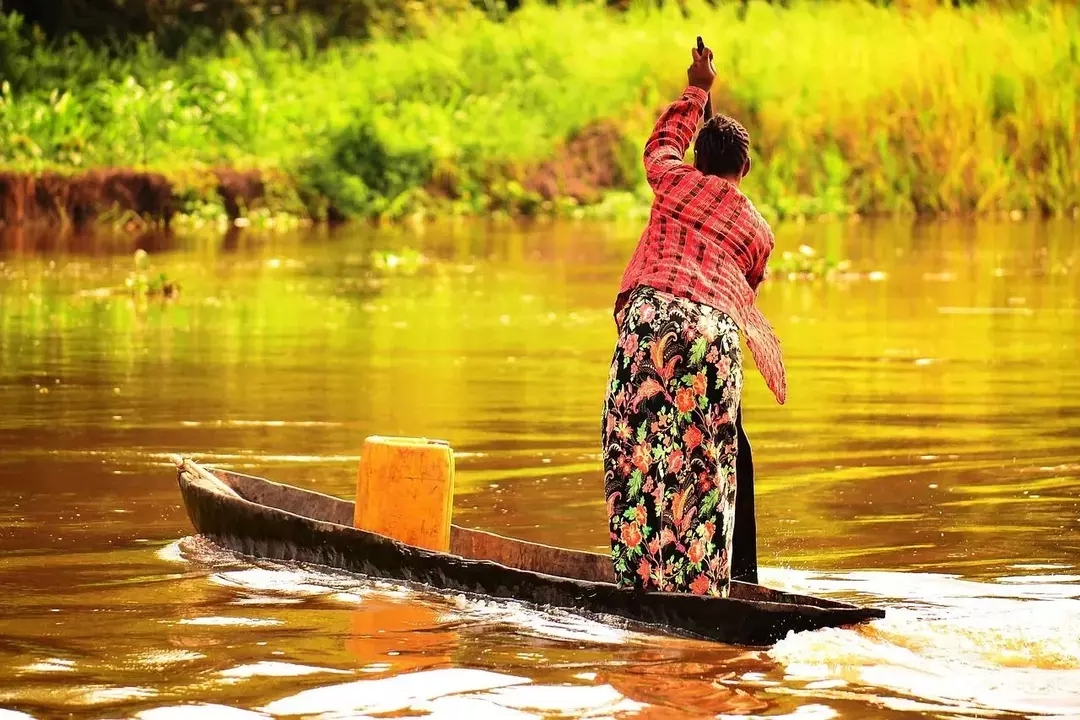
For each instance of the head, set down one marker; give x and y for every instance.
(723, 149)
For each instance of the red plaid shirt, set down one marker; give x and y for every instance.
(705, 240)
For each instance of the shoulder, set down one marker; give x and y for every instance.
(757, 221)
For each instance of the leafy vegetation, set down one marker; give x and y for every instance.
(852, 107)
(176, 24)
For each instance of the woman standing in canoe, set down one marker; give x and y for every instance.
(676, 378)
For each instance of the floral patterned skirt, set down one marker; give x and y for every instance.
(670, 444)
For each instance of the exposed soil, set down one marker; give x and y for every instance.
(54, 198)
(593, 160)
(239, 190)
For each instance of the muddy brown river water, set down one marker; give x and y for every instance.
(928, 461)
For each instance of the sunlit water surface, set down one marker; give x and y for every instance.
(926, 462)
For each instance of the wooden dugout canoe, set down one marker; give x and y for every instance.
(257, 517)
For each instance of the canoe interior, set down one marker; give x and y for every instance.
(476, 544)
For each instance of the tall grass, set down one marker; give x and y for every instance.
(852, 107)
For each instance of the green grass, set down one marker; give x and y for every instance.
(852, 108)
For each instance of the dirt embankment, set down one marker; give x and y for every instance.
(596, 159)
(78, 200)
(592, 161)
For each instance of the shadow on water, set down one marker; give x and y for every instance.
(926, 461)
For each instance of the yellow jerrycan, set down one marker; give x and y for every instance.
(405, 490)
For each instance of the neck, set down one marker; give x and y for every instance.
(733, 179)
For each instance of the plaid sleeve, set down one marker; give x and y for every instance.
(670, 139)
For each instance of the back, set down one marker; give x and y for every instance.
(705, 241)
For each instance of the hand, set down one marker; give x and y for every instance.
(701, 72)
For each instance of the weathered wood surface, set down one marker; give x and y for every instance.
(534, 557)
(265, 519)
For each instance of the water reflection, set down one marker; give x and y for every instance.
(407, 632)
(926, 461)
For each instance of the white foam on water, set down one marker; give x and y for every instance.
(14, 715)
(570, 700)
(550, 623)
(804, 712)
(50, 665)
(946, 644)
(172, 552)
(392, 694)
(200, 711)
(286, 581)
(1038, 579)
(269, 668)
(455, 707)
(348, 598)
(266, 600)
(227, 621)
(107, 694)
(379, 667)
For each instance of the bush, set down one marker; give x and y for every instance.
(362, 175)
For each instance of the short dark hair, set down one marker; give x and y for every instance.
(722, 147)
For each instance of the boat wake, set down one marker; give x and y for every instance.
(949, 644)
(258, 581)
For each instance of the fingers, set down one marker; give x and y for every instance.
(702, 57)
(706, 57)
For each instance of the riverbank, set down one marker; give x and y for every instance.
(853, 109)
(135, 199)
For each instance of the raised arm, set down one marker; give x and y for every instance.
(671, 136)
(670, 139)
